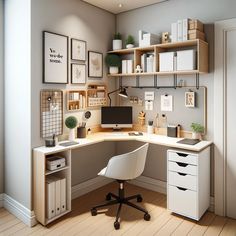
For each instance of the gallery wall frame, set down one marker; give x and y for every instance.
(95, 64)
(78, 49)
(78, 73)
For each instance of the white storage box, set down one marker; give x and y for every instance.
(186, 60)
(55, 162)
(147, 39)
(166, 61)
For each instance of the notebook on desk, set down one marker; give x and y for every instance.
(189, 141)
(67, 144)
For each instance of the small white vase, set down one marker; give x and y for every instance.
(72, 135)
(117, 44)
(196, 136)
(150, 129)
(114, 70)
(129, 46)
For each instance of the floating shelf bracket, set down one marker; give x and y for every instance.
(120, 81)
(175, 80)
(197, 81)
(137, 80)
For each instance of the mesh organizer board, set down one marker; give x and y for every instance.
(51, 112)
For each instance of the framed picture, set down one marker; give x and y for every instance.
(95, 64)
(78, 50)
(78, 73)
(190, 99)
(55, 58)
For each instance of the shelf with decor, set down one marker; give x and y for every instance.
(96, 95)
(199, 46)
(76, 100)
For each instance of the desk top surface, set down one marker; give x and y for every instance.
(124, 136)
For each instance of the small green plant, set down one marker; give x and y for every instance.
(71, 122)
(117, 36)
(129, 40)
(197, 128)
(113, 60)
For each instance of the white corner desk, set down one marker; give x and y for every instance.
(193, 152)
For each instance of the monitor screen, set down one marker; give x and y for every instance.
(116, 117)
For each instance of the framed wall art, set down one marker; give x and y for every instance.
(78, 50)
(190, 99)
(55, 58)
(78, 73)
(95, 64)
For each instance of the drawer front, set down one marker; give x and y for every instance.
(182, 201)
(182, 180)
(182, 167)
(182, 157)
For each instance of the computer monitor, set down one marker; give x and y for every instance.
(117, 117)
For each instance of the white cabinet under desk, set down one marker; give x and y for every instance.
(188, 182)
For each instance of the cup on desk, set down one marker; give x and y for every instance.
(81, 132)
(150, 129)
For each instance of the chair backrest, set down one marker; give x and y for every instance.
(129, 165)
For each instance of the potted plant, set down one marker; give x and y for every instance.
(129, 41)
(197, 131)
(71, 123)
(117, 42)
(113, 61)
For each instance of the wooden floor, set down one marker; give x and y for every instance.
(80, 221)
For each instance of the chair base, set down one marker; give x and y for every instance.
(121, 200)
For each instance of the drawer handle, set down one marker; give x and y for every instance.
(181, 154)
(182, 189)
(181, 164)
(182, 174)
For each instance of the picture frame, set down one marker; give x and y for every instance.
(190, 100)
(78, 73)
(55, 58)
(95, 64)
(78, 49)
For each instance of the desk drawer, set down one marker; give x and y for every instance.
(182, 201)
(182, 157)
(182, 180)
(182, 167)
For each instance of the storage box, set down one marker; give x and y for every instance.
(55, 162)
(196, 34)
(186, 60)
(147, 39)
(196, 24)
(172, 131)
(166, 61)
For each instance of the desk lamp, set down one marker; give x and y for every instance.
(122, 93)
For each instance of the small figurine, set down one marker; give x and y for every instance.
(165, 37)
(141, 118)
(138, 69)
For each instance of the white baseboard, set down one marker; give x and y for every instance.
(88, 186)
(20, 211)
(1, 200)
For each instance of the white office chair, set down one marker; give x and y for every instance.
(122, 168)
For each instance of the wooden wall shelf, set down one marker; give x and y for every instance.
(96, 95)
(76, 100)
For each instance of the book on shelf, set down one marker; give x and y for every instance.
(124, 66)
(174, 30)
(180, 30)
(185, 29)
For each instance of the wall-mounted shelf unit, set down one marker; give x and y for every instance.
(76, 100)
(200, 46)
(96, 95)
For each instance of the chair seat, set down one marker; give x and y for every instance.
(102, 172)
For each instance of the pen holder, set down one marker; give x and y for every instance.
(81, 132)
(150, 129)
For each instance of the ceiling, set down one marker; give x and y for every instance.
(118, 6)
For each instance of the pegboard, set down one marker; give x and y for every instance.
(51, 113)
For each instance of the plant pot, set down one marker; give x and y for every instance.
(129, 46)
(196, 136)
(113, 70)
(72, 135)
(117, 44)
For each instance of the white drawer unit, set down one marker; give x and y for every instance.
(188, 182)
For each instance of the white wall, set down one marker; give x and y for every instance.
(1, 98)
(18, 101)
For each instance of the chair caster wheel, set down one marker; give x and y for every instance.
(116, 225)
(93, 212)
(139, 199)
(147, 217)
(108, 197)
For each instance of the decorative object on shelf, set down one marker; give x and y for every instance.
(95, 64)
(150, 127)
(190, 99)
(129, 41)
(166, 102)
(78, 73)
(122, 93)
(76, 100)
(141, 118)
(55, 58)
(198, 130)
(51, 109)
(78, 50)
(165, 37)
(138, 69)
(96, 95)
(114, 62)
(117, 42)
(71, 122)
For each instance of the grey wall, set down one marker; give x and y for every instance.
(1, 98)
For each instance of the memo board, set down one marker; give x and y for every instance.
(51, 113)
